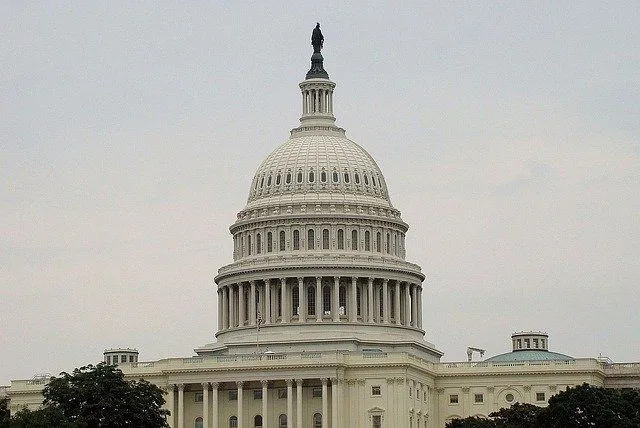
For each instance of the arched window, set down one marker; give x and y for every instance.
(256, 185)
(257, 421)
(346, 177)
(242, 246)
(381, 299)
(282, 421)
(198, 423)
(378, 242)
(311, 176)
(233, 422)
(262, 182)
(323, 176)
(373, 180)
(296, 239)
(249, 244)
(354, 239)
(340, 239)
(269, 242)
(295, 301)
(278, 180)
(357, 178)
(288, 179)
(367, 241)
(269, 181)
(395, 244)
(299, 176)
(387, 243)
(326, 299)
(366, 179)
(335, 176)
(342, 300)
(317, 420)
(258, 243)
(310, 240)
(311, 300)
(359, 300)
(325, 239)
(282, 240)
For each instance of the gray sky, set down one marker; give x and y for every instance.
(509, 136)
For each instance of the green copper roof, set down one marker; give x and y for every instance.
(530, 355)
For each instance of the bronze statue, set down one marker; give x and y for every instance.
(317, 39)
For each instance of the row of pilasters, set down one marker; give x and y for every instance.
(368, 300)
(211, 414)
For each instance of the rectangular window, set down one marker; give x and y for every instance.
(527, 344)
(453, 399)
(131, 358)
(410, 392)
(535, 343)
(375, 390)
(282, 393)
(257, 394)
(541, 396)
(123, 358)
(198, 397)
(478, 398)
(317, 392)
(108, 359)
(233, 395)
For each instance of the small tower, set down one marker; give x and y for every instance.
(530, 340)
(317, 95)
(120, 355)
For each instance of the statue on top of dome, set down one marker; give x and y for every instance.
(317, 39)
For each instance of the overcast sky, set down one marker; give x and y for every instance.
(509, 136)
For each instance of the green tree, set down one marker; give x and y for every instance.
(517, 416)
(4, 412)
(96, 396)
(590, 406)
(471, 422)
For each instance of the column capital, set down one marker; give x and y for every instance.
(385, 281)
(265, 383)
(283, 280)
(300, 279)
(370, 280)
(390, 380)
(205, 385)
(491, 388)
(324, 380)
(171, 387)
(334, 380)
(361, 381)
(527, 388)
(466, 389)
(239, 384)
(180, 386)
(214, 385)
(354, 279)
(336, 278)
(298, 381)
(289, 382)
(318, 278)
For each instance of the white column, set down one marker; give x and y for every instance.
(225, 307)
(265, 406)
(419, 311)
(353, 306)
(397, 303)
(302, 312)
(283, 300)
(171, 405)
(240, 400)
(298, 403)
(385, 301)
(241, 314)
(252, 303)
(220, 322)
(319, 307)
(414, 305)
(334, 403)
(335, 301)
(205, 404)
(181, 405)
(325, 404)
(232, 308)
(289, 402)
(370, 299)
(407, 304)
(267, 301)
(214, 404)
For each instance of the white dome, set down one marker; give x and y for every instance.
(318, 169)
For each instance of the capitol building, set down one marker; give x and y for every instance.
(320, 312)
